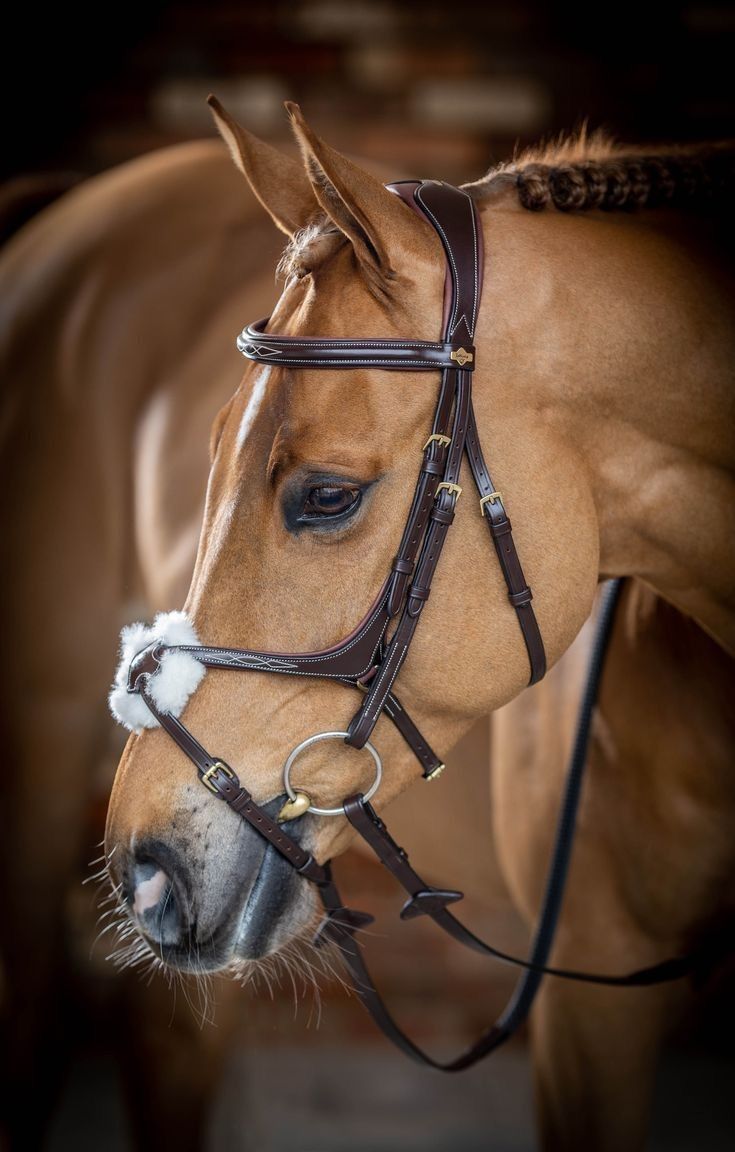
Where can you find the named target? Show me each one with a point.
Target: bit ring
(320, 736)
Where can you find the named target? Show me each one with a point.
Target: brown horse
(595, 332)
(112, 316)
(111, 392)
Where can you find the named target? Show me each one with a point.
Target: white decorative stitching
(229, 662)
(448, 248)
(379, 708)
(339, 343)
(454, 323)
(476, 297)
(429, 365)
(295, 655)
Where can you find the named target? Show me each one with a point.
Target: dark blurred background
(442, 89)
(452, 85)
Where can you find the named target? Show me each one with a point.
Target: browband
(393, 355)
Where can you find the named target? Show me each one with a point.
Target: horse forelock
(309, 248)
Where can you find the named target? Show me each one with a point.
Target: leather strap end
(402, 572)
(318, 874)
(397, 594)
(415, 605)
(430, 763)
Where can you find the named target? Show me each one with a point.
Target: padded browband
(451, 213)
(394, 355)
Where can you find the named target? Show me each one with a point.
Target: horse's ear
(279, 183)
(380, 227)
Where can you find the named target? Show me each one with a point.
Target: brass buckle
(455, 489)
(444, 440)
(489, 499)
(218, 766)
(436, 772)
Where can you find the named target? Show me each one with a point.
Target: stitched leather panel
(256, 343)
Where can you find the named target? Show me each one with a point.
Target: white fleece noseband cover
(179, 675)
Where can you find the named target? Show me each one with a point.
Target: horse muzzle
(202, 899)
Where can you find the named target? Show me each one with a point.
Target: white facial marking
(253, 405)
(149, 892)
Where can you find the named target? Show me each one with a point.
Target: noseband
(371, 657)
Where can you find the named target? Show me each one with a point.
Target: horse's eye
(329, 500)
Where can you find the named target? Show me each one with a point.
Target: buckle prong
(218, 766)
(454, 489)
(490, 499)
(445, 441)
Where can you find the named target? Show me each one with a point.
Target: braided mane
(585, 171)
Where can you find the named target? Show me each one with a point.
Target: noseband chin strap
(372, 656)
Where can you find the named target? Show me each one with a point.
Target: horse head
(312, 479)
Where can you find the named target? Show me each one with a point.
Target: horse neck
(618, 334)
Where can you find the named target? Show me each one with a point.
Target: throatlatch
(370, 659)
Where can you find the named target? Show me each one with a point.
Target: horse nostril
(157, 905)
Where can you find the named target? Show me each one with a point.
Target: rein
(371, 657)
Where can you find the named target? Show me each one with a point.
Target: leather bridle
(371, 657)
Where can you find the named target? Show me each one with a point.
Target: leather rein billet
(371, 658)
